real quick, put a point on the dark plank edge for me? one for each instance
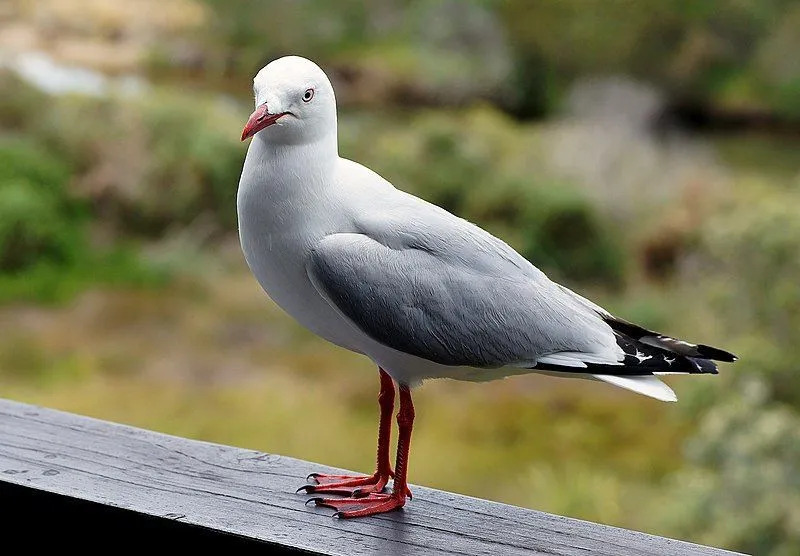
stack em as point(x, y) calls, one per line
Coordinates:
point(68, 520)
point(205, 493)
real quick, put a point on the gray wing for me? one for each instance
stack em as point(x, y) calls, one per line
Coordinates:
point(442, 289)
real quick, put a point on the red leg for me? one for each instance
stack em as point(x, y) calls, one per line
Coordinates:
point(379, 503)
point(349, 485)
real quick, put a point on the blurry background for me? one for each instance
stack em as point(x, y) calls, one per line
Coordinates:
point(645, 153)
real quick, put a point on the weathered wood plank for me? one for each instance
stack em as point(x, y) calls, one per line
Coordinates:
point(252, 495)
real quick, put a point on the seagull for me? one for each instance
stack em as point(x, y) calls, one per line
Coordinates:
point(421, 292)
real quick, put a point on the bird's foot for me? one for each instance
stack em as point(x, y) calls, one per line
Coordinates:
point(348, 485)
point(361, 507)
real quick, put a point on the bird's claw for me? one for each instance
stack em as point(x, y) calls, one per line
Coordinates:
point(345, 485)
point(355, 486)
point(360, 507)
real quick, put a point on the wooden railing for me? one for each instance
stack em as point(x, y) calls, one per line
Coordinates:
point(68, 481)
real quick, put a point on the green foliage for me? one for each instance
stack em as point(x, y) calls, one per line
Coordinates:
point(194, 165)
point(721, 52)
point(46, 253)
point(755, 249)
point(31, 228)
point(430, 51)
point(38, 221)
point(23, 160)
point(776, 74)
point(49, 281)
point(741, 488)
point(245, 33)
point(142, 165)
point(20, 104)
point(519, 53)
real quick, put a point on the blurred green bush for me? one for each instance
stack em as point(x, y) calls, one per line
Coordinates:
point(427, 51)
point(50, 247)
point(740, 487)
point(39, 220)
point(752, 271)
point(520, 54)
point(141, 165)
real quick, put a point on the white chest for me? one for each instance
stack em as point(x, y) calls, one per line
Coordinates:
point(277, 236)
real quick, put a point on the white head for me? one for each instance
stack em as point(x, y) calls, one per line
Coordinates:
point(295, 103)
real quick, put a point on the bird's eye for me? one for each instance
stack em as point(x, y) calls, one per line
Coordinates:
point(308, 95)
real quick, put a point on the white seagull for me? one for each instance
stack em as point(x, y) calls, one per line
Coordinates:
point(421, 292)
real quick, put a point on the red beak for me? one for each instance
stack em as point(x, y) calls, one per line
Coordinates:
point(258, 120)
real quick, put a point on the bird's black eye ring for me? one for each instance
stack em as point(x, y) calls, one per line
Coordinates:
point(308, 95)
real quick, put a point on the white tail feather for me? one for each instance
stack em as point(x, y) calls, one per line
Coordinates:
point(647, 385)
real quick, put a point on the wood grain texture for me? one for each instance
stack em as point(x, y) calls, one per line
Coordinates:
point(251, 495)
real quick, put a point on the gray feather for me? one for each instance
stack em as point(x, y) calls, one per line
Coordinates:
point(458, 296)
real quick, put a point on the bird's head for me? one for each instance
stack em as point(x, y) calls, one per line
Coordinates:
point(295, 100)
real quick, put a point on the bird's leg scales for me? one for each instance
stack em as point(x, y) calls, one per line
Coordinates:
point(363, 485)
point(375, 503)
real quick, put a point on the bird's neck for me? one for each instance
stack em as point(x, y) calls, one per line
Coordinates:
point(290, 169)
point(322, 148)
point(298, 159)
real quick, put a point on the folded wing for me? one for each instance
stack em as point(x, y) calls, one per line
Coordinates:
point(429, 304)
point(424, 282)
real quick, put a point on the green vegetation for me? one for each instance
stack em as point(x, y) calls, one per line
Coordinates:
point(45, 249)
point(121, 208)
point(38, 221)
point(518, 53)
point(741, 482)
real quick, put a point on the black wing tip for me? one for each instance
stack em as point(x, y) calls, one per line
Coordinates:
point(667, 343)
point(716, 354)
point(705, 366)
point(634, 367)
